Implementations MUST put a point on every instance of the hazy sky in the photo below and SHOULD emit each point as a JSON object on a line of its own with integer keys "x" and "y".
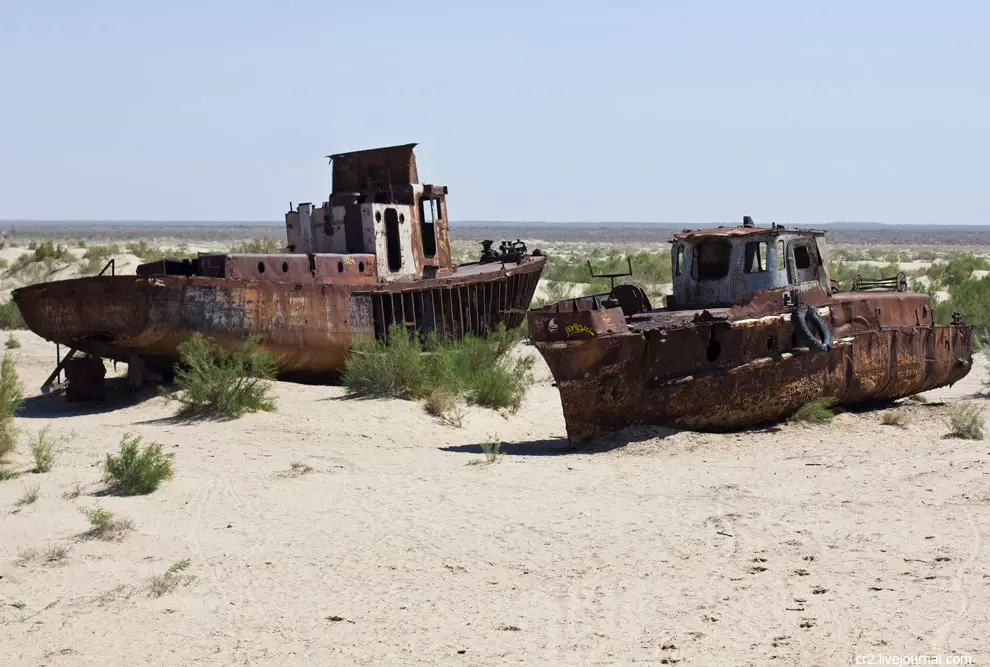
{"x": 630, "y": 111}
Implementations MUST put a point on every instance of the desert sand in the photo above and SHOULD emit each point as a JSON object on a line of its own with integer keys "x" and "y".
{"x": 791, "y": 545}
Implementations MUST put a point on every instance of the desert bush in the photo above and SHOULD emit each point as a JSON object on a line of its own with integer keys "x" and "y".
{"x": 104, "y": 526}
{"x": 44, "y": 449}
{"x": 172, "y": 578}
{"x": 149, "y": 253}
{"x": 818, "y": 411}
{"x": 11, "y": 396}
{"x": 216, "y": 383}
{"x": 958, "y": 269}
{"x": 479, "y": 370}
{"x": 966, "y": 421}
{"x": 12, "y": 342}
{"x": 6, "y": 473}
{"x": 263, "y": 246}
{"x": 49, "y": 250}
{"x": 4, "y": 264}
{"x": 10, "y": 316}
{"x": 918, "y": 398}
{"x": 137, "y": 471}
{"x": 895, "y": 418}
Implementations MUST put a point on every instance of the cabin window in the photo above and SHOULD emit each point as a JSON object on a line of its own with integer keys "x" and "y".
{"x": 711, "y": 260}
{"x": 781, "y": 257}
{"x": 428, "y": 210}
{"x": 804, "y": 260}
{"x": 393, "y": 245}
{"x": 678, "y": 259}
{"x": 756, "y": 257}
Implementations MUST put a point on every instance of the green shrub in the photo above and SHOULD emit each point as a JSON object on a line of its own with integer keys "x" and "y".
{"x": 104, "y": 526}
{"x": 478, "y": 369}
{"x": 216, "y": 383}
{"x": 10, "y": 316}
{"x": 44, "y": 449}
{"x": 966, "y": 421}
{"x": 491, "y": 447}
{"x": 11, "y": 396}
{"x": 137, "y": 471}
{"x": 263, "y": 246}
{"x": 818, "y": 411}
{"x": 12, "y": 342}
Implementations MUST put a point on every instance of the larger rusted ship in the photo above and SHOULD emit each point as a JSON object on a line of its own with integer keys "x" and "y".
{"x": 753, "y": 330}
{"x": 377, "y": 253}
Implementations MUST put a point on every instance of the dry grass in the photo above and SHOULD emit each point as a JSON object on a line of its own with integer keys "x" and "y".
{"x": 30, "y": 495}
{"x": 56, "y": 553}
{"x": 173, "y": 577}
{"x": 26, "y": 556}
{"x": 298, "y": 468}
{"x": 446, "y": 407}
{"x": 74, "y": 492}
{"x": 895, "y": 418}
{"x": 966, "y": 421}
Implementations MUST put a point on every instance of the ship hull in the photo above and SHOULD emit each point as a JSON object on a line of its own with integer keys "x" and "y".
{"x": 308, "y": 328}
{"x": 608, "y": 381}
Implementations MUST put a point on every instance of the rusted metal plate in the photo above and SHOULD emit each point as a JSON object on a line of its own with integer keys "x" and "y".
{"x": 353, "y": 269}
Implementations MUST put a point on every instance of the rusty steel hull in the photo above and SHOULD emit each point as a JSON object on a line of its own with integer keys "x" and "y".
{"x": 307, "y": 328}
{"x": 669, "y": 373}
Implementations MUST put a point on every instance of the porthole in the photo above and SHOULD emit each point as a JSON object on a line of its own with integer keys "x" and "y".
{"x": 378, "y": 216}
{"x": 285, "y": 267}
{"x": 360, "y": 267}
{"x": 261, "y": 267}
{"x": 770, "y": 342}
{"x": 402, "y": 217}
{"x": 340, "y": 267}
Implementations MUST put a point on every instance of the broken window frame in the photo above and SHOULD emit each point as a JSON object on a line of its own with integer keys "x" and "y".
{"x": 755, "y": 250}
{"x": 428, "y": 229}
{"x": 711, "y": 270}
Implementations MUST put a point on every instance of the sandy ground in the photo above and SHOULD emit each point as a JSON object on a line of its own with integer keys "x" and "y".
{"x": 794, "y": 545}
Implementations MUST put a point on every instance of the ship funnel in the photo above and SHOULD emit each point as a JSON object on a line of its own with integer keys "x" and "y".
{"x": 747, "y": 221}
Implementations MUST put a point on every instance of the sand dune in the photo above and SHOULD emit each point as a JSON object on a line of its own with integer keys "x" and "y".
{"x": 793, "y": 545}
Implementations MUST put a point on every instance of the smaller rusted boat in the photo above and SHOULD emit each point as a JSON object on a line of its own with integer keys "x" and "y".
{"x": 754, "y": 329}
{"x": 376, "y": 254}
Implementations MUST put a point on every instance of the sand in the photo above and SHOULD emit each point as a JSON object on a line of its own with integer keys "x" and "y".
{"x": 794, "y": 545}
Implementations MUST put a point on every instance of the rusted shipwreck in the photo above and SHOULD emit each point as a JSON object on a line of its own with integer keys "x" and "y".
{"x": 377, "y": 253}
{"x": 753, "y": 330}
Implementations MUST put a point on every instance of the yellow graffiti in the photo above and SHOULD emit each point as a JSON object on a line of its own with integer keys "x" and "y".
{"x": 443, "y": 245}
{"x": 576, "y": 328}
{"x": 348, "y": 260}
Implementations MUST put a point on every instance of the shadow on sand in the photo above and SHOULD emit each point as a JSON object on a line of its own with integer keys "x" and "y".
{"x": 117, "y": 395}
{"x": 561, "y": 446}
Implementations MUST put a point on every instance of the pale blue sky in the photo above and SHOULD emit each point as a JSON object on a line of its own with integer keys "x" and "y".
{"x": 591, "y": 111}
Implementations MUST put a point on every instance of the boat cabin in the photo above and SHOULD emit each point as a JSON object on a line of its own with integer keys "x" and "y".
{"x": 728, "y": 266}
{"x": 377, "y": 206}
